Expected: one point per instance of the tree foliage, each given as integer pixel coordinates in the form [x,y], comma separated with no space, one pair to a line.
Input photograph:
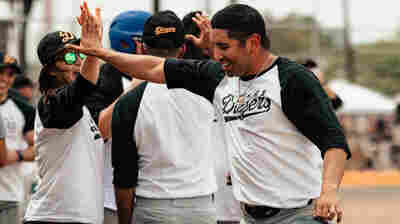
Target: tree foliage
[377,64]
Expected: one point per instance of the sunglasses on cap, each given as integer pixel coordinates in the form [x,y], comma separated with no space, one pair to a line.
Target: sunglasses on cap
[70,58]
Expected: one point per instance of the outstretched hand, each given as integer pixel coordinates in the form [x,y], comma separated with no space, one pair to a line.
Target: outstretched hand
[204,39]
[91,31]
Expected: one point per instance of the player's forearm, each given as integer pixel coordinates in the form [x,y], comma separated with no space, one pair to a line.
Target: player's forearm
[142,67]
[125,203]
[334,164]
[26,155]
[90,69]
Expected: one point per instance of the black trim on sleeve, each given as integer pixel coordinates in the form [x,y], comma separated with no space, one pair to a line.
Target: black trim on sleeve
[64,108]
[308,107]
[199,77]
[124,152]
[26,108]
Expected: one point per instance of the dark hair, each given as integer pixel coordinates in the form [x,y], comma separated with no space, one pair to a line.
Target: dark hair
[241,21]
[21,82]
[48,81]
[310,63]
[190,27]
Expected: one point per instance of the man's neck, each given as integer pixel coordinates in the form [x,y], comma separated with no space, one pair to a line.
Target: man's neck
[263,61]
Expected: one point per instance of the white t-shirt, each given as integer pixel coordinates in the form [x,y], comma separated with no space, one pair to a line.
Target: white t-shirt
[109,193]
[274,120]
[172,134]
[228,208]
[70,155]
[12,176]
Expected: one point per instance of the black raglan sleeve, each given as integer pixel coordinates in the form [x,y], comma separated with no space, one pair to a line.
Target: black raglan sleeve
[64,108]
[198,76]
[124,151]
[307,105]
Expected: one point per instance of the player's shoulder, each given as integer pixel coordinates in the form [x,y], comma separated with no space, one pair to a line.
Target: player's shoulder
[290,72]
[21,102]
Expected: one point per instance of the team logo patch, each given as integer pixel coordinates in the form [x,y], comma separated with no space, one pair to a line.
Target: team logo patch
[66,36]
[163,30]
[253,104]
[9,60]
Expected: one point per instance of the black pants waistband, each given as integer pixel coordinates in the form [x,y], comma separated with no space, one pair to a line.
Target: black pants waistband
[261,211]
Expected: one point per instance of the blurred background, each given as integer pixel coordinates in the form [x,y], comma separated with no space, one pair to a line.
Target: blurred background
[355,43]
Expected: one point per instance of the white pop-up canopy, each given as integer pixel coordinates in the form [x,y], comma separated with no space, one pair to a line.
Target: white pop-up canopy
[361,100]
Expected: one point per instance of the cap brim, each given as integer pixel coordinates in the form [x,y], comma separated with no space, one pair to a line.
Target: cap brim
[74,42]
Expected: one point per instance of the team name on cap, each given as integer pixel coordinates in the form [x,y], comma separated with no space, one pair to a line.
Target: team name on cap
[9,60]
[162,30]
[66,36]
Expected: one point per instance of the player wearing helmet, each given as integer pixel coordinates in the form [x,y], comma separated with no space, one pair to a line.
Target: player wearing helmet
[125,34]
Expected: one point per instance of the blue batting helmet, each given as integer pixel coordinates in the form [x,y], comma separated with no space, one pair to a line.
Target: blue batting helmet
[125,27]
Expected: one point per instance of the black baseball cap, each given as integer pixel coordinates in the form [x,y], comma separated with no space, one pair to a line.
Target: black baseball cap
[164,30]
[52,44]
[7,61]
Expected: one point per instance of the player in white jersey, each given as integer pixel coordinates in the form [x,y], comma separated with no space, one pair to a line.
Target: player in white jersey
[68,143]
[149,165]
[227,207]
[125,31]
[289,150]
[18,117]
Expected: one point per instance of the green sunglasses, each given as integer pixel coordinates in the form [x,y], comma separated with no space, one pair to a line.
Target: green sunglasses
[71,57]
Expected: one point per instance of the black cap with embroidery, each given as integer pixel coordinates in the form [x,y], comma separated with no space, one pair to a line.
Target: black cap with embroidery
[9,62]
[164,30]
[52,44]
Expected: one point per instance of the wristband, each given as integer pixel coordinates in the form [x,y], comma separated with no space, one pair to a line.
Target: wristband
[20,156]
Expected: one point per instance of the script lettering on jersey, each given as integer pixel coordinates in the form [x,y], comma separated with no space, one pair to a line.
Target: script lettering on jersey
[255,103]
[94,129]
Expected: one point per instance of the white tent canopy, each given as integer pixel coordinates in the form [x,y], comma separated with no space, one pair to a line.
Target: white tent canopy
[361,100]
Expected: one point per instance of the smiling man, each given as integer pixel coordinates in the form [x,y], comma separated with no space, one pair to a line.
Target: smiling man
[288,148]
[18,118]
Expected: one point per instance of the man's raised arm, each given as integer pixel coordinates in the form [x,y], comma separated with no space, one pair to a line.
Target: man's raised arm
[142,67]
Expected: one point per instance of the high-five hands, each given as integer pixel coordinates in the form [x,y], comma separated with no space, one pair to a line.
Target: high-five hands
[91,31]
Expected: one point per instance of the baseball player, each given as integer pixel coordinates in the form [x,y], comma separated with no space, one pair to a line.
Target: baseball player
[227,207]
[18,116]
[125,34]
[162,169]
[289,150]
[69,146]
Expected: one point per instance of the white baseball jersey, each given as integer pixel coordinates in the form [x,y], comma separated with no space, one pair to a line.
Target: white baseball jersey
[17,121]
[70,154]
[274,121]
[109,193]
[163,143]
[227,207]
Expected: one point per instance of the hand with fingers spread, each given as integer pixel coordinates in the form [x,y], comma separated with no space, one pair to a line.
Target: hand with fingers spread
[204,39]
[91,27]
[91,31]
[327,207]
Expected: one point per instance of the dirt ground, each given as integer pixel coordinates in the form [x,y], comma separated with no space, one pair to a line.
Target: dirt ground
[371,205]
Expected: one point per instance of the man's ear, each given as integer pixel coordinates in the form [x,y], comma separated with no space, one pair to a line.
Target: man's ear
[139,47]
[253,43]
